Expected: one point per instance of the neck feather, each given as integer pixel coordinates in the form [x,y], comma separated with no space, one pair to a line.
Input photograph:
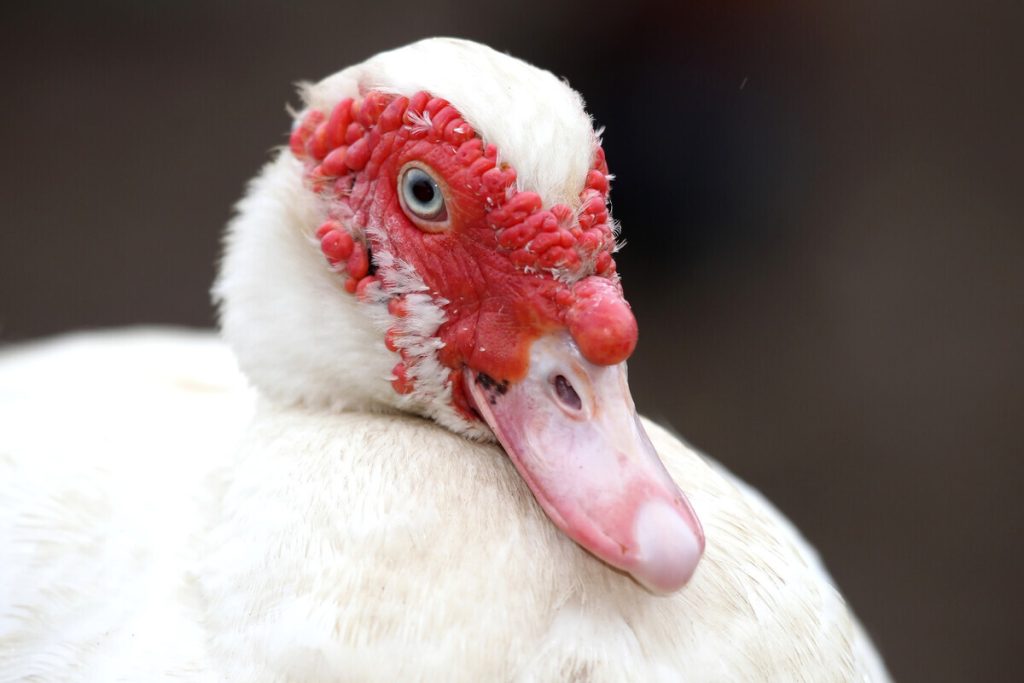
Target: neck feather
[298,336]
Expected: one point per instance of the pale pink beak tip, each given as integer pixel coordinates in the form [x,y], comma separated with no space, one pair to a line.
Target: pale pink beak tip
[668,549]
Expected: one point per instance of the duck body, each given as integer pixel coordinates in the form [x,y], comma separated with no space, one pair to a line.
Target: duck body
[206,534]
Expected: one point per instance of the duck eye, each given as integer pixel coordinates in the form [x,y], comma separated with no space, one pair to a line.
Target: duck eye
[422,199]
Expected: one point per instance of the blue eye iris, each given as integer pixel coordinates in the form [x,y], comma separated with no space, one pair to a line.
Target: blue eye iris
[422,196]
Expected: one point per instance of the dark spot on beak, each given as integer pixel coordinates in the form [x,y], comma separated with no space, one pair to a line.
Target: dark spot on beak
[492,386]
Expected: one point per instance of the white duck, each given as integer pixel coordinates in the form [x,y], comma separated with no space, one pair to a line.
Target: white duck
[160,521]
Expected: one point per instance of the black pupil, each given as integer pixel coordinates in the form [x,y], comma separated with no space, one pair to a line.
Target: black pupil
[423,190]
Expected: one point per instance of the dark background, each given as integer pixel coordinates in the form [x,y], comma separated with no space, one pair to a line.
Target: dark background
[820,199]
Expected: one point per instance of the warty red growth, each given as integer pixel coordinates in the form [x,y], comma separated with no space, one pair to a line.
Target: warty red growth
[506,269]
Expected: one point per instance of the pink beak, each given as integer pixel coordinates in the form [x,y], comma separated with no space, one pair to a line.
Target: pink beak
[572,431]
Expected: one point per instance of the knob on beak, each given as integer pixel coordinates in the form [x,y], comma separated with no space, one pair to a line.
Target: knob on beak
[601,322]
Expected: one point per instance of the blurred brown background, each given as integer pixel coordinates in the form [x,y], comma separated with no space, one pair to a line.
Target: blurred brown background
[821,202]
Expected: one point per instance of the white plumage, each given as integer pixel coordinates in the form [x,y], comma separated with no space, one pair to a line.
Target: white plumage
[159,520]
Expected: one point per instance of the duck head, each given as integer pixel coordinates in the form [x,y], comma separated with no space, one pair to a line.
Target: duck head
[436,239]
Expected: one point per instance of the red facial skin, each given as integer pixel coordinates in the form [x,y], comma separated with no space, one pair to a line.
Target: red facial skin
[497,261]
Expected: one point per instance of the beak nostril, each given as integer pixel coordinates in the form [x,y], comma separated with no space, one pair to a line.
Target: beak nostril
[566,394]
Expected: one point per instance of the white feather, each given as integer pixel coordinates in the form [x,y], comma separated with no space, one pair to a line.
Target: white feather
[148,534]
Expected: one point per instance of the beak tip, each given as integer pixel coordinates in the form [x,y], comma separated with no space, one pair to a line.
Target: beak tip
[668,549]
